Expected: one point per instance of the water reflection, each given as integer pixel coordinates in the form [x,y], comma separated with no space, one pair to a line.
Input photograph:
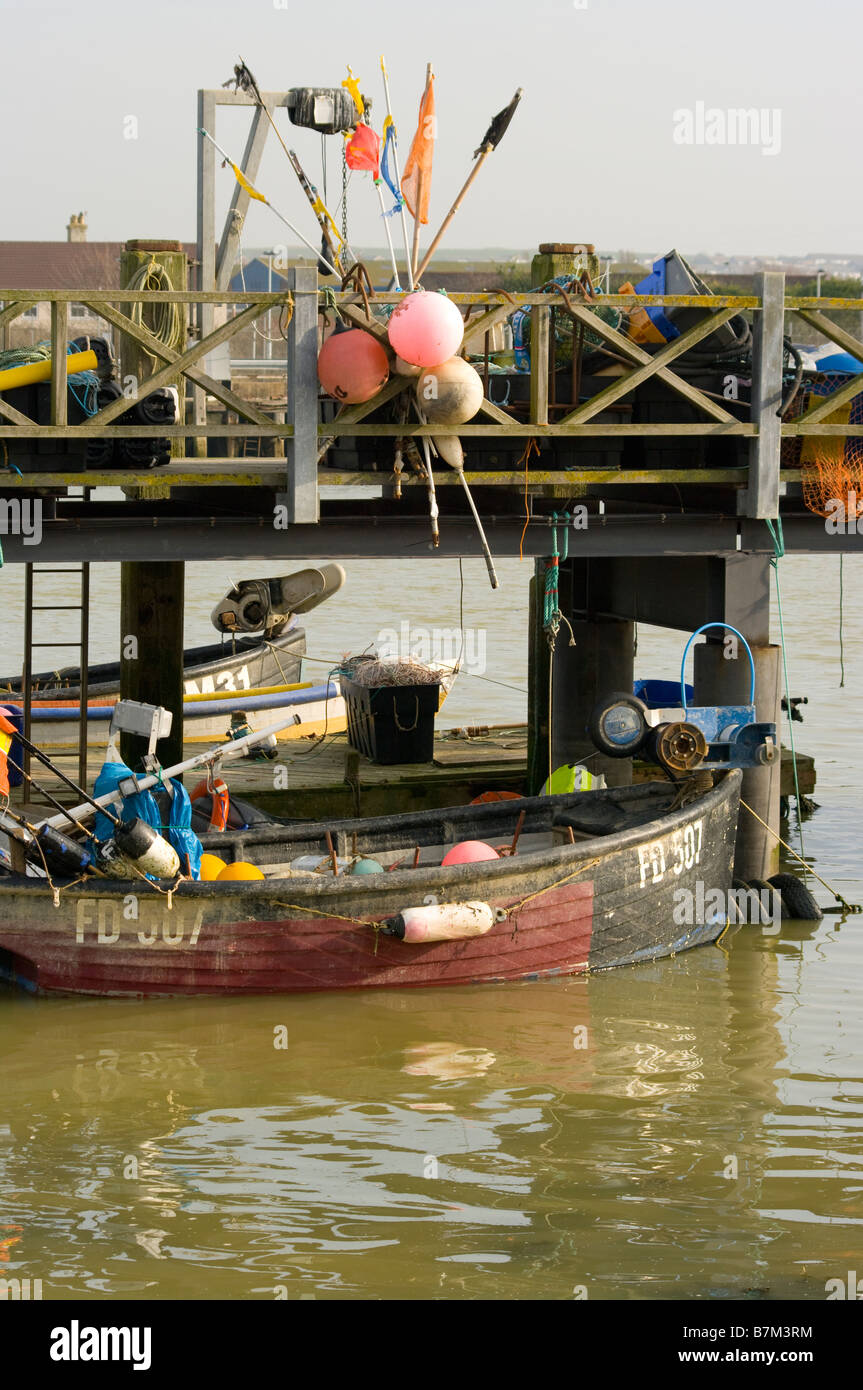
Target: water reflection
[684,1128]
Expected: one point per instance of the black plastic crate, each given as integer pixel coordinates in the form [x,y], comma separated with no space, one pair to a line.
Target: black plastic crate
[391,723]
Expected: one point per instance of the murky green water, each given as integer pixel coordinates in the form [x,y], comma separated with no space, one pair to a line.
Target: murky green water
[686,1129]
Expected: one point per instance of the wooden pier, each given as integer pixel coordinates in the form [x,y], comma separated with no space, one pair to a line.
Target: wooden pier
[679,537]
[317,780]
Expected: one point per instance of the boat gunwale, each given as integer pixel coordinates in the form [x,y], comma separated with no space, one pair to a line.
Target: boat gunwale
[478,877]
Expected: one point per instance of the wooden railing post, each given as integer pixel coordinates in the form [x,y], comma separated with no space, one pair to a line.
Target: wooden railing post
[302,413]
[762,496]
[540,317]
[59,349]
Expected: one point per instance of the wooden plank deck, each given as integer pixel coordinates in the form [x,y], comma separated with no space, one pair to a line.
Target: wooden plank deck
[312,780]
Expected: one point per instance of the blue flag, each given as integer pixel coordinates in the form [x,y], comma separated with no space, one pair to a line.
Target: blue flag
[387,166]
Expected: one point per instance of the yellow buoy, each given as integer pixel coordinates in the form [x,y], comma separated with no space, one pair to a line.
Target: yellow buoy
[211,867]
[239,871]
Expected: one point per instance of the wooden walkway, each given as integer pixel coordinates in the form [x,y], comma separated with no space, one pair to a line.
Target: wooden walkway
[312,780]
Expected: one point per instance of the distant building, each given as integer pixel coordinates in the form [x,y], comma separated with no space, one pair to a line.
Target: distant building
[75,263]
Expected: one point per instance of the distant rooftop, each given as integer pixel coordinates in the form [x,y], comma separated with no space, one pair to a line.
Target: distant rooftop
[63,265]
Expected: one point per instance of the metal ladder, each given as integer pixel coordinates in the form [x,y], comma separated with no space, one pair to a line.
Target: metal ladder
[83,646]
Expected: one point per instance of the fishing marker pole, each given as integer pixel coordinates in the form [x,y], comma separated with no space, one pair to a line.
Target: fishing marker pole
[253,193]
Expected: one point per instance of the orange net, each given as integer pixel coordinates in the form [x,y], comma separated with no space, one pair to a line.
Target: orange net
[832,467]
[833,477]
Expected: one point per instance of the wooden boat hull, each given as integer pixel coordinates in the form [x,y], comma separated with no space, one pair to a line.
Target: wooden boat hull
[207,720]
[218,666]
[606,901]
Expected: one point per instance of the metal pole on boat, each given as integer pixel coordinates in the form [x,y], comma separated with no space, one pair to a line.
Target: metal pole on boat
[386,78]
[233,748]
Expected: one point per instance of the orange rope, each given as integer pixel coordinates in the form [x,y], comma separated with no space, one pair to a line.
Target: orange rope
[530,447]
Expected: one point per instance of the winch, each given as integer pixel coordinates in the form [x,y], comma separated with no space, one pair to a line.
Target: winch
[703,736]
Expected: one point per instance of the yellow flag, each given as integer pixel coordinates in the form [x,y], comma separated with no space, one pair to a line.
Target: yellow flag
[244,183]
[353,85]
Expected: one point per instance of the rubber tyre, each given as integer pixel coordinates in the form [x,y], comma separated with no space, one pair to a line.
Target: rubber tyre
[796,898]
[598,735]
[761,886]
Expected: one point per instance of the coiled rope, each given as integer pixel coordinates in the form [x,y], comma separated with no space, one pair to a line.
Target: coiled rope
[166,322]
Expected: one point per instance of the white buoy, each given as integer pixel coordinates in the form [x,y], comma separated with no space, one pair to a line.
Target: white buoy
[443,922]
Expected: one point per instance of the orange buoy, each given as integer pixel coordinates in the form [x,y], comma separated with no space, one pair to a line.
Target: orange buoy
[220,803]
[211,867]
[495,796]
[240,870]
[352,366]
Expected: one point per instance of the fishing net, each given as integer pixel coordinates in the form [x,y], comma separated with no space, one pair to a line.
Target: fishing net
[832,468]
[371,671]
[833,474]
[563,325]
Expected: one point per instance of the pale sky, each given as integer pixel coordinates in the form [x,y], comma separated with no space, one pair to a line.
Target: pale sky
[590,156]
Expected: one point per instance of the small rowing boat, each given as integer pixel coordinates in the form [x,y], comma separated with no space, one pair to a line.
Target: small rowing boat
[583,881]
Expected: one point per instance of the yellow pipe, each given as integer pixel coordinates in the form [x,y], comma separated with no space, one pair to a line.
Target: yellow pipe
[249,691]
[41,371]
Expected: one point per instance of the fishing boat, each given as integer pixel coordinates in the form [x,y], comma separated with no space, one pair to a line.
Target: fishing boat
[584,881]
[264,647]
[317,709]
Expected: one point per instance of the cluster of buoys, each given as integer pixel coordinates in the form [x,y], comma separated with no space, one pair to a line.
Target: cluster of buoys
[425,333]
[215,870]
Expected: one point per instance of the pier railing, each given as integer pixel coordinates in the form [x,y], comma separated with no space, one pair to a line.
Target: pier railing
[305,436]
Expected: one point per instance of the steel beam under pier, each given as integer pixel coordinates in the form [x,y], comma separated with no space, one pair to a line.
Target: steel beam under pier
[679,591]
[719,681]
[107,533]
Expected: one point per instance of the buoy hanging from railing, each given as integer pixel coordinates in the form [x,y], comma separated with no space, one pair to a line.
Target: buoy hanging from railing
[352,366]
[450,394]
[426,329]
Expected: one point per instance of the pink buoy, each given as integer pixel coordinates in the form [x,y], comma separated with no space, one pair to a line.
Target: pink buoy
[426,329]
[352,366]
[469,852]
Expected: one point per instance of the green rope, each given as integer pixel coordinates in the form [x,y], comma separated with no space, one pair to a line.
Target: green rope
[778,539]
[551,604]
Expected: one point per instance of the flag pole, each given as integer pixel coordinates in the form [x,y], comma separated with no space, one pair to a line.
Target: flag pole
[253,192]
[415,250]
[393,260]
[490,141]
[452,212]
[398,173]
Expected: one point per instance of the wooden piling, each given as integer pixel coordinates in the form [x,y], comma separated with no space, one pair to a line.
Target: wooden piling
[151,647]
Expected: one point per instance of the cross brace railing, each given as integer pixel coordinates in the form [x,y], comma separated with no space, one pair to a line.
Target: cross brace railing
[304,434]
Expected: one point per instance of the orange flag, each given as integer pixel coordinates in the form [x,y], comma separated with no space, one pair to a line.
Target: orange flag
[416,181]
